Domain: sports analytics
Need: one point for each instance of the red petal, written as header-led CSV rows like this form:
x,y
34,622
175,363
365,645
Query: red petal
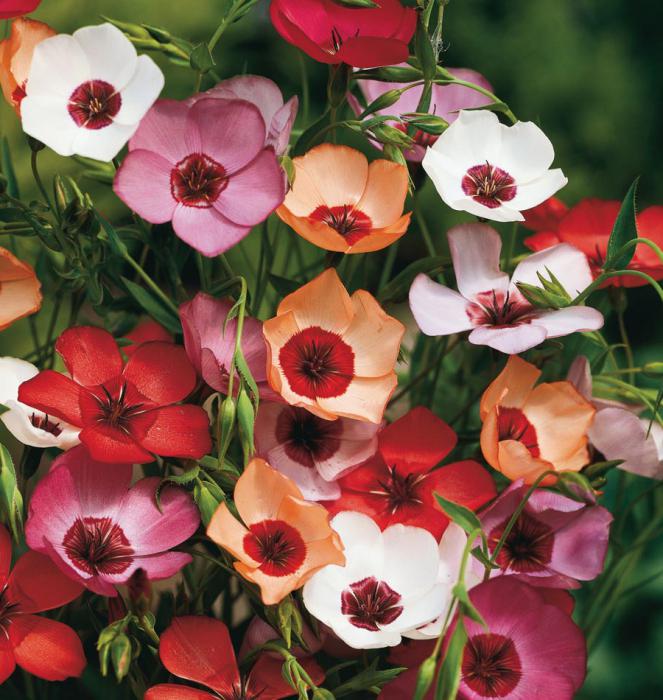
x,y
5,555
169,691
419,515
38,585
7,663
108,444
541,241
545,216
54,394
558,597
161,372
90,354
467,483
588,225
267,683
370,52
199,649
145,332
417,441
173,431
46,648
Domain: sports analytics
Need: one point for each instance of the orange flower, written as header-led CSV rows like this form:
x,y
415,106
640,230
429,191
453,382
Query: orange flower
x,y
340,202
332,353
16,56
528,430
20,293
284,539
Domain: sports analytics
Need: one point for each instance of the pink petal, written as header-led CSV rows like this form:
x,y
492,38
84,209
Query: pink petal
x,y
571,319
162,130
437,309
207,230
511,340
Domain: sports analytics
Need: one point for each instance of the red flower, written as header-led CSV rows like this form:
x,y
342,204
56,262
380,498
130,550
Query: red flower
x,y
588,226
45,648
331,33
146,331
199,649
399,483
126,413
16,8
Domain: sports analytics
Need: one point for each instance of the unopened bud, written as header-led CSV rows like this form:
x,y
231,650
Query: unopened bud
x,y
391,135
140,591
121,655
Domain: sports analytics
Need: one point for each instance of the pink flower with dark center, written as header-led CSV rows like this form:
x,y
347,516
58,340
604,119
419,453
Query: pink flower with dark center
x,y
99,530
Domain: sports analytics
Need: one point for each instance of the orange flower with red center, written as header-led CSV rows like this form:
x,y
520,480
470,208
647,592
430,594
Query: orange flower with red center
x,y
528,430
339,202
283,540
16,57
20,290
332,353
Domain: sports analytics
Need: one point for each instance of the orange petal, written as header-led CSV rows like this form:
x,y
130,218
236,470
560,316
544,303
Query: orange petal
x,y
511,386
490,438
311,520
380,238
20,290
384,197
516,462
229,533
364,399
314,232
273,589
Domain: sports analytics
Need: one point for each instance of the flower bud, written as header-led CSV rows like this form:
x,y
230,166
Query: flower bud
x,y
121,655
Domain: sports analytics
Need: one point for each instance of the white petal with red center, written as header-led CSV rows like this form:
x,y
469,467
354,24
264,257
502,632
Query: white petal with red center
x,y
474,138
526,151
509,339
572,319
530,194
437,309
59,65
139,94
102,144
47,119
110,55
408,549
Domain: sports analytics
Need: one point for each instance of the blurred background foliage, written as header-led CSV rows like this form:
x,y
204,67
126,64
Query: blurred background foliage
x,y
590,72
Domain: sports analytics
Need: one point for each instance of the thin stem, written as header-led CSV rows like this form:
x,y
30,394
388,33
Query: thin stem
x,y
38,180
151,284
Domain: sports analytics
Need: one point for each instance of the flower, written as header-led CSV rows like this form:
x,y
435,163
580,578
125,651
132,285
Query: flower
x,y
16,56
20,293
388,586
99,530
398,485
331,33
126,414
491,305
617,432
332,353
531,648
27,425
491,170
446,102
555,541
199,649
188,164
266,95
86,93
588,226
16,8
210,342
340,202
529,430
310,450
43,647
284,539
144,332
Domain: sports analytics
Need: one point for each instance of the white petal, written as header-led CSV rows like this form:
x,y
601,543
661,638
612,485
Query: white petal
x,y
567,264
140,93
17,421
13,372
424,609
411,560
501,213
475,251
437,309
47,120
363,547
580,376
359,638
526,151
445,174
451,549
474,138
110,55
102,144
511,340
529,194
310,483
58,67
572,319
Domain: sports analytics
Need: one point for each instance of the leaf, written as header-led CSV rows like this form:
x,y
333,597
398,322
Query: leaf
x,y
449,678
116,243
11,500
398,288
201,58
283,285
466,605
153,307
459,514
624,230
425,677
368,678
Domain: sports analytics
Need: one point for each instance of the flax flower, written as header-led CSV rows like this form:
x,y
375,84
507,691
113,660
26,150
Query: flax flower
x,y
20,290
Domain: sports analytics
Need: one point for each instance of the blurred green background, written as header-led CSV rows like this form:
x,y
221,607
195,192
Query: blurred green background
x,y
590,72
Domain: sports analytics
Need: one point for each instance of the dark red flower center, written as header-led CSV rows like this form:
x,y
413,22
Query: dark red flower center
x,y
499,309
491,665
98,546
43,422
93,105
317,363
115,404
512,424
306,438
197,181
351,223
401,490
489,185
528,546
277,545
370,603
18,94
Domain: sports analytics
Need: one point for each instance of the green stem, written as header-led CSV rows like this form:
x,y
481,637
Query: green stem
x,y
151,284
512,236
616,273
38,180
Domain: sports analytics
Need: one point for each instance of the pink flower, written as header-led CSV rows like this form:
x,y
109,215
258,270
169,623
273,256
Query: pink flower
x,y
204,167
312,451
531,649
98,529
267,97
446,102
555,542
490,305
210,348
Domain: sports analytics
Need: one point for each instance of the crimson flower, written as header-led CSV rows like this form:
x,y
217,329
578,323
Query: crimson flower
x,y
126,413
199,649
43,647
17,8
331,33
398,484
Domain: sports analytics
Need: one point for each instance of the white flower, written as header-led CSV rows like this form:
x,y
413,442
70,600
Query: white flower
x,y
87,93
389,585
26,424
491,170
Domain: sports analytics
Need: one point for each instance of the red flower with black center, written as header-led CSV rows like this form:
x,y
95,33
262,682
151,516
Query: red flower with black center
x,y
127,413
399,484
370,603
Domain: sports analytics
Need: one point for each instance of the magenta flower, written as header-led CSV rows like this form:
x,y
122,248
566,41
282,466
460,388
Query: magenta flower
x,y
446,102
210,348
98,529
531,649
312,451
555,542
204,167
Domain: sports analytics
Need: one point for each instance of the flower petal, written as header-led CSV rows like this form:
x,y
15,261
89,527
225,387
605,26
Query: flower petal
x,y
90,354
509,339
110,55
206,230
54,394
140,92
173,431
437,309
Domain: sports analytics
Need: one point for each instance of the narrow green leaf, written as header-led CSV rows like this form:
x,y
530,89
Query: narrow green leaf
x,y
153,307
449,678
624,230
11,500
459,514
283,285
398,288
